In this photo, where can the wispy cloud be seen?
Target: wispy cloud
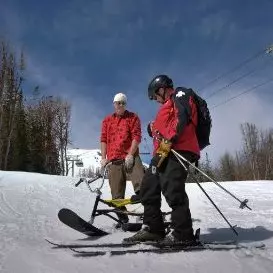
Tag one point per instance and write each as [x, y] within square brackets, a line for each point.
[216, 25]
[226, 132]
[86, 112]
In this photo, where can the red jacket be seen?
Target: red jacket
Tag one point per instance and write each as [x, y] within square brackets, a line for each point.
[176, 120]
[118, 132]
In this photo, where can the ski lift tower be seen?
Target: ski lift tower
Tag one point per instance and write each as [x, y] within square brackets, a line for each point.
[74, 159]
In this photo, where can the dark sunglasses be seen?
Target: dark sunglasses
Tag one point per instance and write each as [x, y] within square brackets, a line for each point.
[120, 102]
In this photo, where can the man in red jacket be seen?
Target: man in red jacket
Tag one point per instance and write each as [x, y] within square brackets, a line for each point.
[173, 128]
[120, 138]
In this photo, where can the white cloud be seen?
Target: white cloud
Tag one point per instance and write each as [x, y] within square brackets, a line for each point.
[86, 123]
[86, 115]
[226, 133]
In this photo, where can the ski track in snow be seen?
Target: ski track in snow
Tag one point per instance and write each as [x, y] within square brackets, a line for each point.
[4, 202]
[29, 204]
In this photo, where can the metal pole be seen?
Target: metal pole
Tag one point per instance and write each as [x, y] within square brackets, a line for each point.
[243, 204]
[232, 227]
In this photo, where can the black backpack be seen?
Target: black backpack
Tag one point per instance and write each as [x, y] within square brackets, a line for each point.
[204, 124]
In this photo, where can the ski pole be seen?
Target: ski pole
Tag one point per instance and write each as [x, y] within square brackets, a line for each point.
[203, 190]
[243, 204]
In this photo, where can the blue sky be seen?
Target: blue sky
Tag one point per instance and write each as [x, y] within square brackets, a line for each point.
[87, 51]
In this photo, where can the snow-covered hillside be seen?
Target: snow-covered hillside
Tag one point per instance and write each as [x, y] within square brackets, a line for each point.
[29, 204]
[84, 159]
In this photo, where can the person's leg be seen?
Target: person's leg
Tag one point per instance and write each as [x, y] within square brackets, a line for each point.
[117, 182]
[136, 176]
[150, 194]
[153, 225]
[173, 186]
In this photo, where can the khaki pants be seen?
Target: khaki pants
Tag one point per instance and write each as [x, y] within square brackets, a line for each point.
[118, 177]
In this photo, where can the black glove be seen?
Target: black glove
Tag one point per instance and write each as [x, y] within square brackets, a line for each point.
[135, 198]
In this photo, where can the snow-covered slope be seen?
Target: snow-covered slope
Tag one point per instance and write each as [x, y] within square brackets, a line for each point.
[29, 204]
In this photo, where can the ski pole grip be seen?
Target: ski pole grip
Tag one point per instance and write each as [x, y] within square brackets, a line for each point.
[244, 204]
[78, 183]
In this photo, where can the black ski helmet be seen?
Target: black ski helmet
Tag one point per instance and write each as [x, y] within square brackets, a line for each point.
[160, 81]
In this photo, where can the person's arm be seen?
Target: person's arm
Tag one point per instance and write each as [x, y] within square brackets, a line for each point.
[103, 147]
[172, 125]
[134, 147]
[183, 106]
[103, 139]
[173, 120]
[136, 135]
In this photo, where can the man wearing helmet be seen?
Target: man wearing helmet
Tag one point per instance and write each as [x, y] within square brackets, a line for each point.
[173, 128]
[120, 138]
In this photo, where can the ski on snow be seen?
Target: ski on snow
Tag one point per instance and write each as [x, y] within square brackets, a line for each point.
[74, 221]
[154, 247]
[128, 244]
[166, 249]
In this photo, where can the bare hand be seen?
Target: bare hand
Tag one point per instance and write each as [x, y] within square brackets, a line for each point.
[103, 162]
[129, 162]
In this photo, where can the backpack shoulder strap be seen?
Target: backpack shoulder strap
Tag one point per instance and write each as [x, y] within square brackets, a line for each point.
[183, 95]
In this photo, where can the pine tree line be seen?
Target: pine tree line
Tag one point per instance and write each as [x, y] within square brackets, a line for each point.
[34, 133]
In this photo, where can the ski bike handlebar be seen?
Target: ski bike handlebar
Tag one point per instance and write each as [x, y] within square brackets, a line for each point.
[101, 175]
[88, 181]
[97, 191]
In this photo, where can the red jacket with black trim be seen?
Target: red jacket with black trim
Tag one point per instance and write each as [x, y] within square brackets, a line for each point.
[176, 121]
[118, 132]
